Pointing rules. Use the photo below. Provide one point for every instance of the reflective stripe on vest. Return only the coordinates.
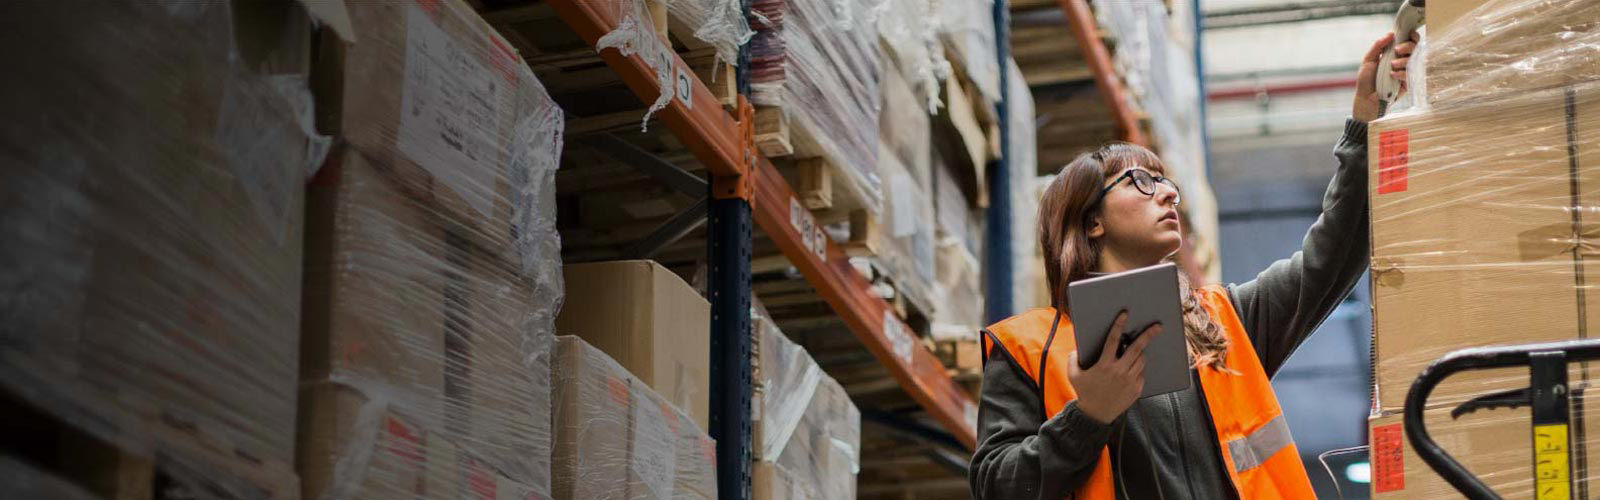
(1251, 451)
(1257, 450)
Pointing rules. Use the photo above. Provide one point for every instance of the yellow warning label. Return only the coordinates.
(1551, 459)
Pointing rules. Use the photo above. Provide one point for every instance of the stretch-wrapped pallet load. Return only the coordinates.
(808, 432)
(434, 271)
(1477, 49)
(616, 438)
(1484, 233)
(816, 61)
(900, 237)
(967, 27)
(155, 157)
(958, 250)
(915, 53)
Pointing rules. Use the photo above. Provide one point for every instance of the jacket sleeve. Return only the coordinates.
(1022, 455)
(1287, 301)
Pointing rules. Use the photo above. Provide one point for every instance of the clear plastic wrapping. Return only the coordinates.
(958, 287)
(615, 438)
(817, 60)
(916, 53)
(1483, 232)
(1496, 446)
(720, 23)
(434, 271)
(808, 432)
(154, 158)
(968, 26)
(904, 229)
(1484, 48)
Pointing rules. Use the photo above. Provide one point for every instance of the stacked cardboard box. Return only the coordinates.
(899, 238)
(650, 321)
(1484, 48)
(1481, 235)
(616, 438)
(433, 264)
(808, 433)
(150, 275)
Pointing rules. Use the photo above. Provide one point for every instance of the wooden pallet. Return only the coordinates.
(173, 460)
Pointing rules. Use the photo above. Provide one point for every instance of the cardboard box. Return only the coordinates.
(1496, 445)
(398, 457)
(500, 340)
(1482, 233)
(376, 274)
(807, 431)
(615, 438)
(431, 90)
(1480, 49)
(650, 321)
(405, 314)
(154, 164)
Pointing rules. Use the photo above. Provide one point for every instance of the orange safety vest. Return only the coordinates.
(1260, 456)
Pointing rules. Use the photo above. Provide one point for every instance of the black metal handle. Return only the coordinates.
(1473, 359)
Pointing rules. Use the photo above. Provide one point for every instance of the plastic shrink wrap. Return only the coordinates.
(915, 51)
(1483, 206)
(719, 23)
(155, 157)
(968, 29)
(808, 433)
(617, 439)
(817, 62)
(433, 265)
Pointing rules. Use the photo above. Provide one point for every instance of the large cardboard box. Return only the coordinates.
(1481, 49)
(1483, 221)
(807, 431)
(616, 438)
(407, 318)
(1497, 446)
(650, 321)
(154, 162)
(431, 90)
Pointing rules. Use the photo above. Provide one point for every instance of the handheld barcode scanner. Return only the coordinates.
(1408, 19)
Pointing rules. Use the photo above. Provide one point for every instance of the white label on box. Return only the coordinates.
(655, 450)
(453, 108)
(811, 235)
(900, 342)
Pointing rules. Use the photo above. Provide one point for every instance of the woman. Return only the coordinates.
(1048, 429)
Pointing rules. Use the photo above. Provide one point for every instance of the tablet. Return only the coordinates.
(1150, 295)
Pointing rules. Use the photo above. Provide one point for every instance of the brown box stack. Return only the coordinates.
(434, 270)
(616, 438)
(152, 225)
(808, 432)
(650, 321)
(1488, 48)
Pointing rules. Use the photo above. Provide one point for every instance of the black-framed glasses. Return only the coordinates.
(1143, 180)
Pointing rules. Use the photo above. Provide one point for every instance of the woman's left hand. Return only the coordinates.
(1366, 105)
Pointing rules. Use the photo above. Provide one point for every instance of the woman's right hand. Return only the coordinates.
(1112, 384)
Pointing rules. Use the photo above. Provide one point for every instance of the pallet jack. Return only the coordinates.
(1559, 462)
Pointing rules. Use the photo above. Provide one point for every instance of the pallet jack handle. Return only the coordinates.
(1548, 393)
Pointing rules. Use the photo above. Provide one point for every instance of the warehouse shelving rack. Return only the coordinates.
(746, 191)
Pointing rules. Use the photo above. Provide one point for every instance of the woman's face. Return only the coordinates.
(1139, 226)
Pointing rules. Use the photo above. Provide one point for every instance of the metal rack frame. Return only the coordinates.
(746, 190)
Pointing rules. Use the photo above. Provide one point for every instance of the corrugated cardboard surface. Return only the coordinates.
(650, 321)
(1485, 226)
(615, 438)
(1496, 446)
(1486, 49)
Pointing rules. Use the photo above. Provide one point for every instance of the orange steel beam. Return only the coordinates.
(1094, 51)
(779, 212)
(700, 122)
(716, 140)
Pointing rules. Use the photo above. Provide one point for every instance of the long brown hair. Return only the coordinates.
(1070, 255)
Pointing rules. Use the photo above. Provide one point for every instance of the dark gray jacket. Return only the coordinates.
(1165, 446)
